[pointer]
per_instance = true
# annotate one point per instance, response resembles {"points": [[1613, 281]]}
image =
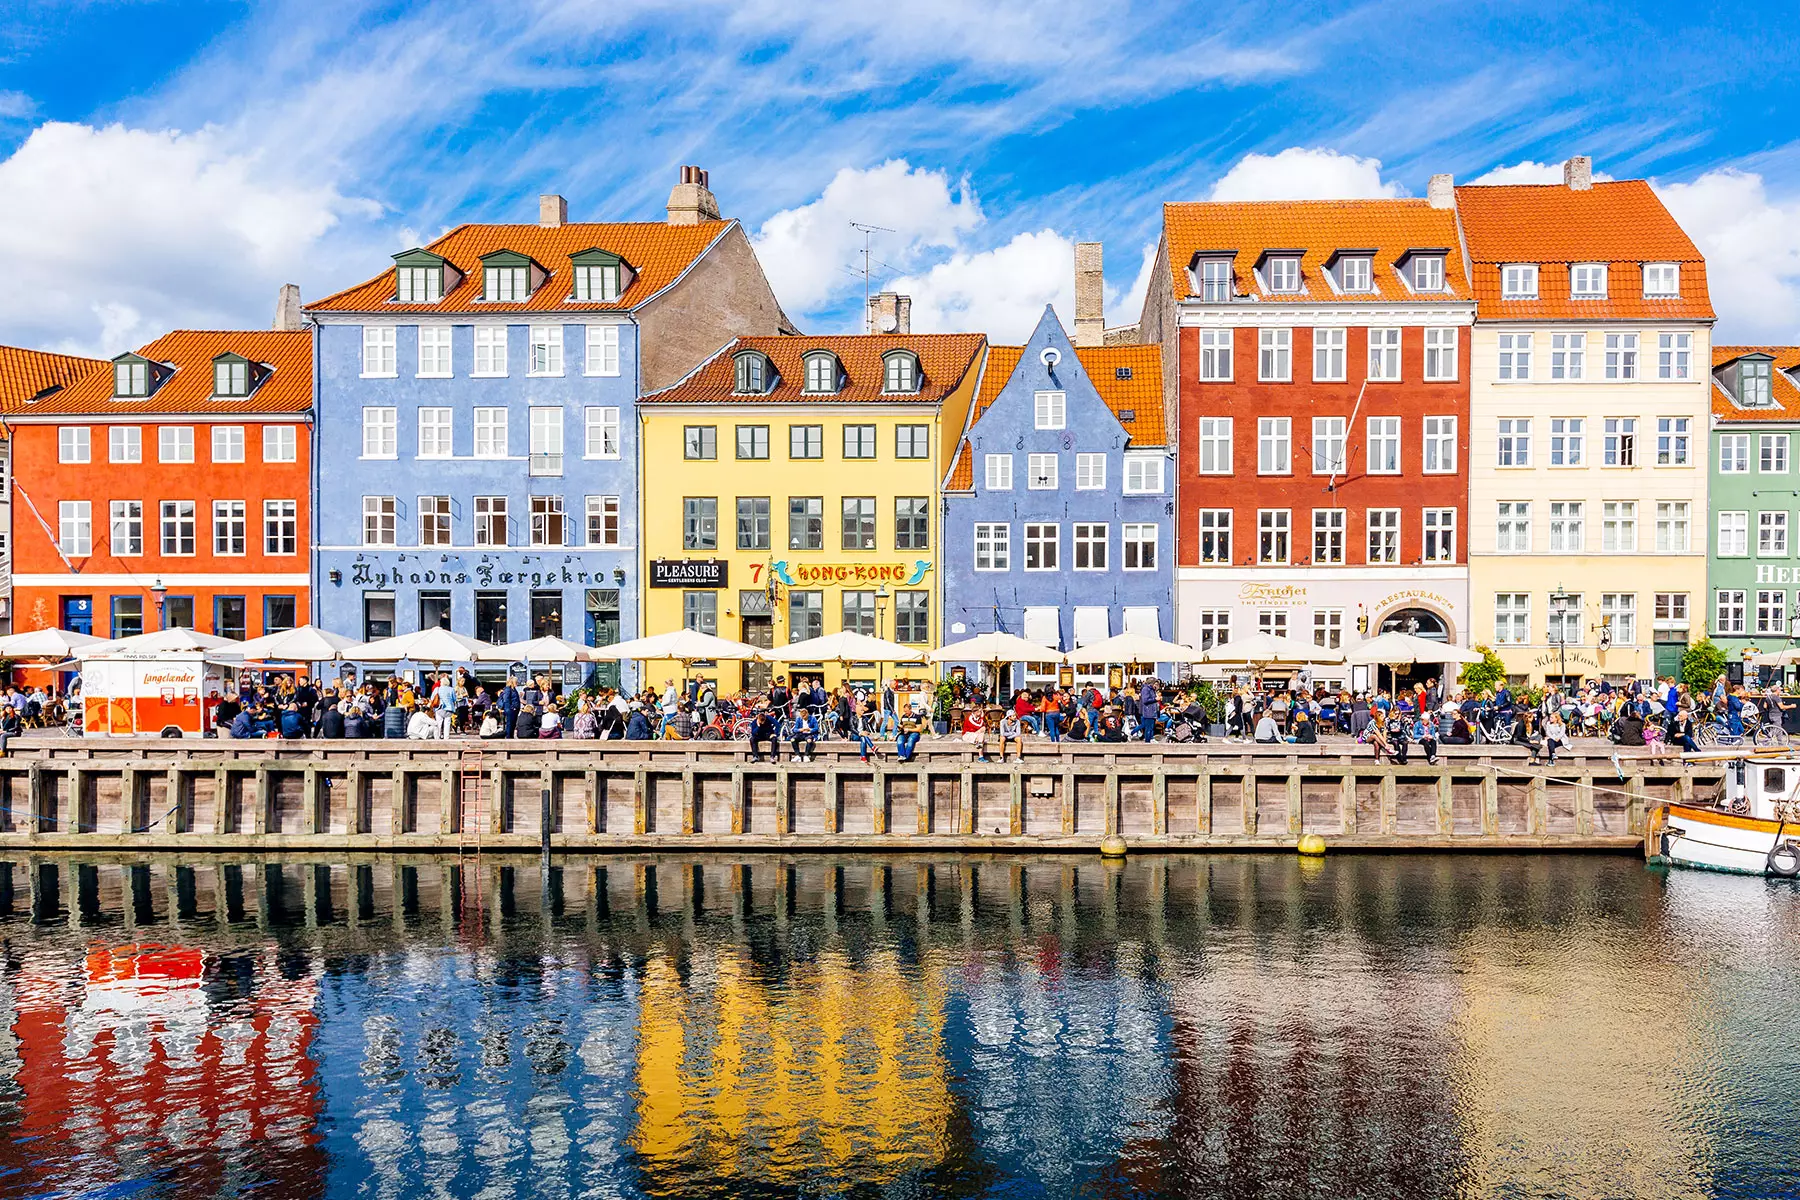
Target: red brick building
{"points": [[1319, 353], [168, 488]]}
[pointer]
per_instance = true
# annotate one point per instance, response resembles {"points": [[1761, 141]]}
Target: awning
{"points": [[1143, 621], [1044, 626], [1091, 626]]}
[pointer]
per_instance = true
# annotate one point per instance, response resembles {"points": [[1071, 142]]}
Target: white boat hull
{"points": [[1718, 841]]}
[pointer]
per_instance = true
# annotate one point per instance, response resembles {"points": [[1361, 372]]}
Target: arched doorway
{"points": [[1422, 623]]}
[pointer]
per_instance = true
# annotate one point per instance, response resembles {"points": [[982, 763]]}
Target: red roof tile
{"points": [[28, 373], [945, 359], [189, 390], [1783, 390]]}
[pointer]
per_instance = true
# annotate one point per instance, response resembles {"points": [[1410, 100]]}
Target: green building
{"points": [[1753, 574]]}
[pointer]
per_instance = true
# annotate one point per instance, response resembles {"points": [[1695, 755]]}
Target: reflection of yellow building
{"points": [[790, 490], [836, 1073]]}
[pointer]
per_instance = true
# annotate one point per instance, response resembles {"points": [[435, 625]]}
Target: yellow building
{"points": [[790, 490], [1589, 404]]}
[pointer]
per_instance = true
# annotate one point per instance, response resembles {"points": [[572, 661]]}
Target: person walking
{"points": [[510, 702], [1149, 705]]}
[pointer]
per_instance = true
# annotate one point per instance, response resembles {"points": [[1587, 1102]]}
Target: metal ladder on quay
{"points": [[471, 804]]}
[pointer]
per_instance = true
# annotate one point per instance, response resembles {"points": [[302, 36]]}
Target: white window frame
{"points": [[992, 543], [1512, 526], [434, 348], [1214, 525], [1733, 537], [380, 431], [74, 444], [1618, 441], [1674, 441], [1275, 355], [1587, 281], [1519, 281], [599, 511], [1331, 356], [1092, 544], [1215, 446], [547, 426], [1090, 472], [1441, 456], [1515, 357], [1772, 453], [1513, 443], [125, 528], [175, 444], [1216, 355], [544, 352], [1674, 526], [1043, 472], [1729, 605], [1439, 526], [228, 443], [997, 470], [125, 444], [1046, 549], [1328, 532], [1274, 446], [1622, 355], [1138, 545], [1384, 354], [1384, 453], [1674, 356], [75, 527], [1442, 351], [1512, 618], [490, 352], [1568, 356], [1618, 526], [1050, 410], [1734, 454], [1662, 281], [437, 432], [1568, 442], [602, 351], [380, 352], [1356, 274], [1772, 533], [1568, 527], [1144, 474], [1274, 527], [491, 432], [1330, 445], [1382, 544], [600, 437]]}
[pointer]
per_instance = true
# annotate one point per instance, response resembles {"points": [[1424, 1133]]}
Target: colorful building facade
{"points": [[1592, 392], [1322, 401], [793, 491], [169, 488], [1057, 522], [1751, 575]]}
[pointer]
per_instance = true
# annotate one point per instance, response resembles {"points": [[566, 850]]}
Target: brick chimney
{"points": [[691, 201], [553, 212], [1578, 173], [890, 312], [1090, 295], [1441, 191], [288, 317]]}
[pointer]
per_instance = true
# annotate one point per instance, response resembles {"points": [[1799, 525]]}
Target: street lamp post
{"points": [[159, 594], [1559, 604], [881, 599]]}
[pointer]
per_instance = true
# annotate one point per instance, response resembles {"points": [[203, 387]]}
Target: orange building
{"points": [[169, 488]]}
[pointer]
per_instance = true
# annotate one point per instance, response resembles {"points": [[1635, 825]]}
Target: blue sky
{"points": [[170, 164]]}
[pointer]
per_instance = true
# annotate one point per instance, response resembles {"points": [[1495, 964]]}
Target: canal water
{"points": [[1231, 1026]]}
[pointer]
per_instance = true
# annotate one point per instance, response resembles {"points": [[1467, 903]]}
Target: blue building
{"points": [[1058, 518], [477, 454]]}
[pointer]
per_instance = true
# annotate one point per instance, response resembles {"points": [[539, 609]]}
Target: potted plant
{"points": [[941, 698]]}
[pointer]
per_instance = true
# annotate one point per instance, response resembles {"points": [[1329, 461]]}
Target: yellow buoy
{"points": [[1312, 845], [1112, 846]]}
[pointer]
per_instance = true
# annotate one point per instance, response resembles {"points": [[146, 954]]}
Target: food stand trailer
{"points": [[161, 695]]}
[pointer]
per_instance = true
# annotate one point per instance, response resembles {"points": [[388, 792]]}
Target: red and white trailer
{"points": [[162, 695]]}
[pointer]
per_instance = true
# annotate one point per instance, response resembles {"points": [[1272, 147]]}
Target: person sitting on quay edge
{"points": [[1268, 733], [243, 726], [529, 722], [1628, 728], [637, 725], [805, 735], [975, 731], [1112, 727], [1011, 729], [587, 721], [491, 725], [1425, 732], [764, 729], [331, 722], [912, 727], [421, 726], [1461, 732], [293, 721], [550, 726], [1306, 730]]}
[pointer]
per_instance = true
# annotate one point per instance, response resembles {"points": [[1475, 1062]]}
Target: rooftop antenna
{"points": [[868, 231]]}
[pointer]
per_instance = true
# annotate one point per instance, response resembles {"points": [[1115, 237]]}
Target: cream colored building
{"points": [[1589, 408]]}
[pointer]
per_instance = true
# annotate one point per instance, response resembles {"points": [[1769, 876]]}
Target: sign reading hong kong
{"points": [[797, 574]]}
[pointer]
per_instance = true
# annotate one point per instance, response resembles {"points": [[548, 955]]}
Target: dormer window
{"points": [[507, 277], [231, 376], [901, 373], [1662, 281], [1753, 383], [1428, 273], [131, 378], [1356, 274], [1215, 280], [1518, 281], [600, 276], [1284, 274], [753, 373], [1587, 281], [821, 372], [419, 277]]}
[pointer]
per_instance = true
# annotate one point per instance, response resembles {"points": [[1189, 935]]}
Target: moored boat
{"points": [[1752, 827]]}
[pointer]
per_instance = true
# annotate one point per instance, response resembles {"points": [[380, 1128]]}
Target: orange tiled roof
{"points": [[1620, 223], [27, 373], [1782, 388], [1318, 229], [656, 251], [944, 360], [288, 388]]}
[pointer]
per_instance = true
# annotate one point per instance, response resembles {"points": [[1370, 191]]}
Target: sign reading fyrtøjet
{"points": [[687, 573]]}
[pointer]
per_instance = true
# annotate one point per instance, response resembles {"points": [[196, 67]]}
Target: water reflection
{"points": [[1229, 1026]]}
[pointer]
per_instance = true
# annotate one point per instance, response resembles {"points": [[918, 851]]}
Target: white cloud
{"points": [[1300, 173], [1000, 292], [1752, 246], [1530, 172], [1122, 308], [16, 106], [114, 235], [806, 250]]}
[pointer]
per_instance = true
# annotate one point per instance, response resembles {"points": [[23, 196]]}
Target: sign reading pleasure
{"points": [[687, 573]]}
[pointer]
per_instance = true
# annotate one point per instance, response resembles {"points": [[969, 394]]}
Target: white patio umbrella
{"points": [[685, 645], [1134, 648], [1403, 649], [303, 644], [845, 647], [996, 648], [1774, 658], [1269, 649], [434, 646], [163, 641], [46, 645], [537, 650]]}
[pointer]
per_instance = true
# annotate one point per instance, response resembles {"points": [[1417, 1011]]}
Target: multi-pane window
{"points": [[1662, 280], [1734, 534], [1671, 526], [806, 522], [1568, 527], [1040, 472], [912, 617], [126, 528], [1328, 536], [1215, 535], [1384, 535], [490, 350], [434, 433], [1728, 611], [700, 441], [1428, 273], [1272, 621], [1621, 355], [1671, 610], [1771, 613], [821, 373], [281, 527], [902, 374], [1672, 441], [1734, 453], [700, 523], [1215, 280], [228, 443], [1587, 281], [1091, 545], [1384, 445], [175, 443], [1214, 625], [490, 433], [1620, 445], [380, 517], [806, 615], [490, 521], [1568, 441], [434, 520], [1328, 627], [1328, 445], [131, 378], [1568, 355], [546, 350], [1090, 472], [1512, 618], [1215, 446], [231, 527], [1772, 453], [1275, 360], [859, 441], [1515, 442], [603, 521], [912, 441], [1519, 281], [806, 441], [1515, 356], [602, 356], [1772, 534], [1215, 355], [912, 522], [859, 523], [753, 523], [379, 354], [231, 377], [1440, 535], [380, 429], [1050, 409], [998, 469], [1284, 274], [1513, 527], [1274, 445], [506, 283], [1043, 543], [546, 441], [1139, 545], [859, 613], [1384, 354], [1440, 355], [993, 547], [75, 527], [1144, 474], [1566, 627], [752, 371], [1618, 526], [753, 441], [125, 443], [700, 611], [74, 444], [178, 522], [434, 352], [597, 283], [1273, 526], [1674, 356], [601, 434], [1329, 358], [1356, 274]]}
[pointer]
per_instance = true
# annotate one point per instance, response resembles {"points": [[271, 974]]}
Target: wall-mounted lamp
{"points": [[337, 577], [618, 574]]}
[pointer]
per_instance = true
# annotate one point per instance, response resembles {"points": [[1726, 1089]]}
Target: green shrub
{"points": [[1703, 663], [1485, 676]]}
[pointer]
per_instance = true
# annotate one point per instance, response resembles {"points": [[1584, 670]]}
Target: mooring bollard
{"points": [[544, 827]]}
